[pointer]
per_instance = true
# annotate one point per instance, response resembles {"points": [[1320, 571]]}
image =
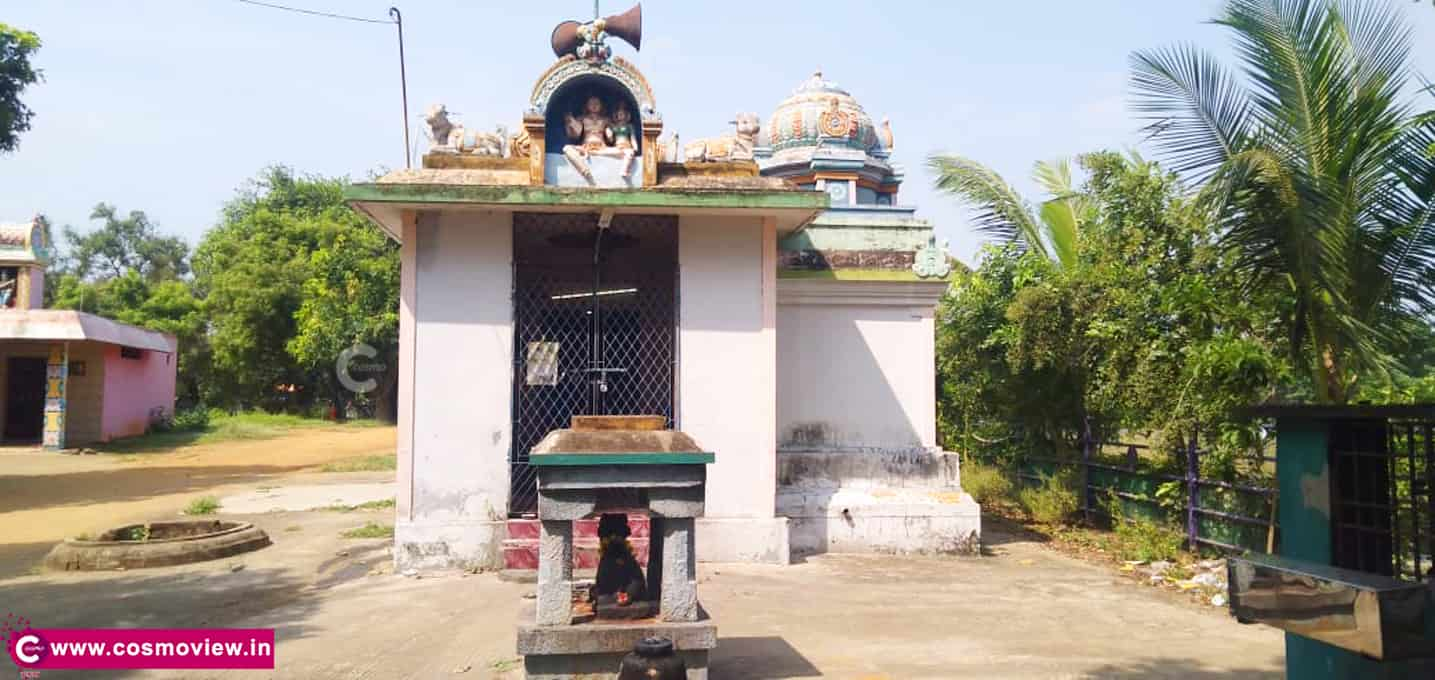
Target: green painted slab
{"points": [[860, 275], [559, 196], [628, 458]]}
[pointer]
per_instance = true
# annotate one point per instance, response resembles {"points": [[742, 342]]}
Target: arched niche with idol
{"points": [[594, 113]]}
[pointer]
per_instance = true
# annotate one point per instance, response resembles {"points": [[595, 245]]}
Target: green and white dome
{"points": [[820, 113]]}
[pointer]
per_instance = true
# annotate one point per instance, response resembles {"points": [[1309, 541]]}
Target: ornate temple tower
{"points": [[821, 138], [24, 252], [859, 467]]}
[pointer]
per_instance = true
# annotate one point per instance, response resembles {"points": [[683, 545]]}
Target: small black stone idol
{"points": [[619, 590]]}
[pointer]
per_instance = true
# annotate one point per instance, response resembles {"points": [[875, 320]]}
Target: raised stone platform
{"points": [[615, 468], [876, 501], [593, 650]]}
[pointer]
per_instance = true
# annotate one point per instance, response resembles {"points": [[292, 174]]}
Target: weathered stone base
{"points": [[591, 651], [598, 666], [881, 520], [743, 539], [449, 544], [876, 500]]}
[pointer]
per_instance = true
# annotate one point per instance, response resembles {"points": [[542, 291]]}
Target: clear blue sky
{"points": [[169, 107]]}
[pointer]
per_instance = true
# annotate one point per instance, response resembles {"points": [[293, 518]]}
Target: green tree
{"points": [[16, 73], [124, 244], [351, 297], [1314, 171], [1144, 330], [1004, 215], [126, 270], [290, 276]]}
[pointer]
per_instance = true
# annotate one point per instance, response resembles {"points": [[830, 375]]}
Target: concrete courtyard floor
{"points": [[1022, 612]]}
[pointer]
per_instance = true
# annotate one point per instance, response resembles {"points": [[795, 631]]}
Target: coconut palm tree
{"points": [[1004, 215], [1313, 169]]}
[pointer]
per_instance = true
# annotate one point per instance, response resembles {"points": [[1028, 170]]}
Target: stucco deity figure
{"points": [[591, 131], [621, 135]]}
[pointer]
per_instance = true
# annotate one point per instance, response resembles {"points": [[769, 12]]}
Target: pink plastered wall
{"points": [[134, 388]]}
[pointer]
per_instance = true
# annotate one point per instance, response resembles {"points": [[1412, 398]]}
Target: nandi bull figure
{"points": [[734, 147], [445, 136]]}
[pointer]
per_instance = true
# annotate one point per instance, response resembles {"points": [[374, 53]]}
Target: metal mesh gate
{"points": [[595, 327], [1382, 502]]}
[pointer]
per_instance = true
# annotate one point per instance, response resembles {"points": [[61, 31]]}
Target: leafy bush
{"points": [[985, 483], [370, 530], [204, 505], [1051, 503], [136, 533], [375, 463], [1142, 539], [191, 420], [1146, 540]]}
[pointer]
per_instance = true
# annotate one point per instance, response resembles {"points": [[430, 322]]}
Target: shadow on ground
{"points": [[759, 658], [19, 559], [159, 442], [1182, 669], [33, 492]]}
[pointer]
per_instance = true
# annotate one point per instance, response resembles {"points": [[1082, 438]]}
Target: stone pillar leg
{"points": [[555, 573], [680, 584]]}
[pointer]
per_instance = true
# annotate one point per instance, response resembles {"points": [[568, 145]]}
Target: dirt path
{"points": [[45, 497]]}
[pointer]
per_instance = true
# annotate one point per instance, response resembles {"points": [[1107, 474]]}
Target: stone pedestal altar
{"points": [[615, 466]]}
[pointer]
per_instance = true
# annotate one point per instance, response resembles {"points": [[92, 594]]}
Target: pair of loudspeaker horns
{"points": [[628, 26]]}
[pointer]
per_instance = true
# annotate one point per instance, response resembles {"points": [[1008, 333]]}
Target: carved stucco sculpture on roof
{"points": [[822, 131], [819, 112], [738, 146], [596, 134], [448, 137]]}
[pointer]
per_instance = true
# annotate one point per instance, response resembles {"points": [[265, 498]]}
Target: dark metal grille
{"points": [[595, 326], [1382, 473]]}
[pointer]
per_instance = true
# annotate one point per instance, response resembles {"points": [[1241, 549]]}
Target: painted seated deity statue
{"points": [[621, 135], [619, 590], [598, 135]]}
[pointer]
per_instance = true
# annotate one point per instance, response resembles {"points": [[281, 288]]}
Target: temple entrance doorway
{"points": [[24, 399], [595, 327]]}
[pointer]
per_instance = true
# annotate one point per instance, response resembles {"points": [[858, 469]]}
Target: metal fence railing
{"points": [[1216, 513]]}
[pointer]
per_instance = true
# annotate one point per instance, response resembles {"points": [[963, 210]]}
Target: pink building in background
{"points": [[72, 378]]}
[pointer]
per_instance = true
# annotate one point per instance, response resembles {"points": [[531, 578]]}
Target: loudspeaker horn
{"points": [[565, 38], [628, 26]]}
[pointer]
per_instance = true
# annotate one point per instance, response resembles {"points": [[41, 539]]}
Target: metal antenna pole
{"points": [[398, 18]]}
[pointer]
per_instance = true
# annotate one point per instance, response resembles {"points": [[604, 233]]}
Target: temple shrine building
{"points": [[764, 291], [72, 378]]}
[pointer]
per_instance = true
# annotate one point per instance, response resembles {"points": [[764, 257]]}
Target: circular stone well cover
{"points": [[157, 544]]}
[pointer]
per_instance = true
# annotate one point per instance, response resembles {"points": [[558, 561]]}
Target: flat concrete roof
{"points": [[386, 202], [64, 324]]}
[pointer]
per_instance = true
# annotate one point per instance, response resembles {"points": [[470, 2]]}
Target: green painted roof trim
{"points": [[857, 275], [626, 458], [603, 198]]}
